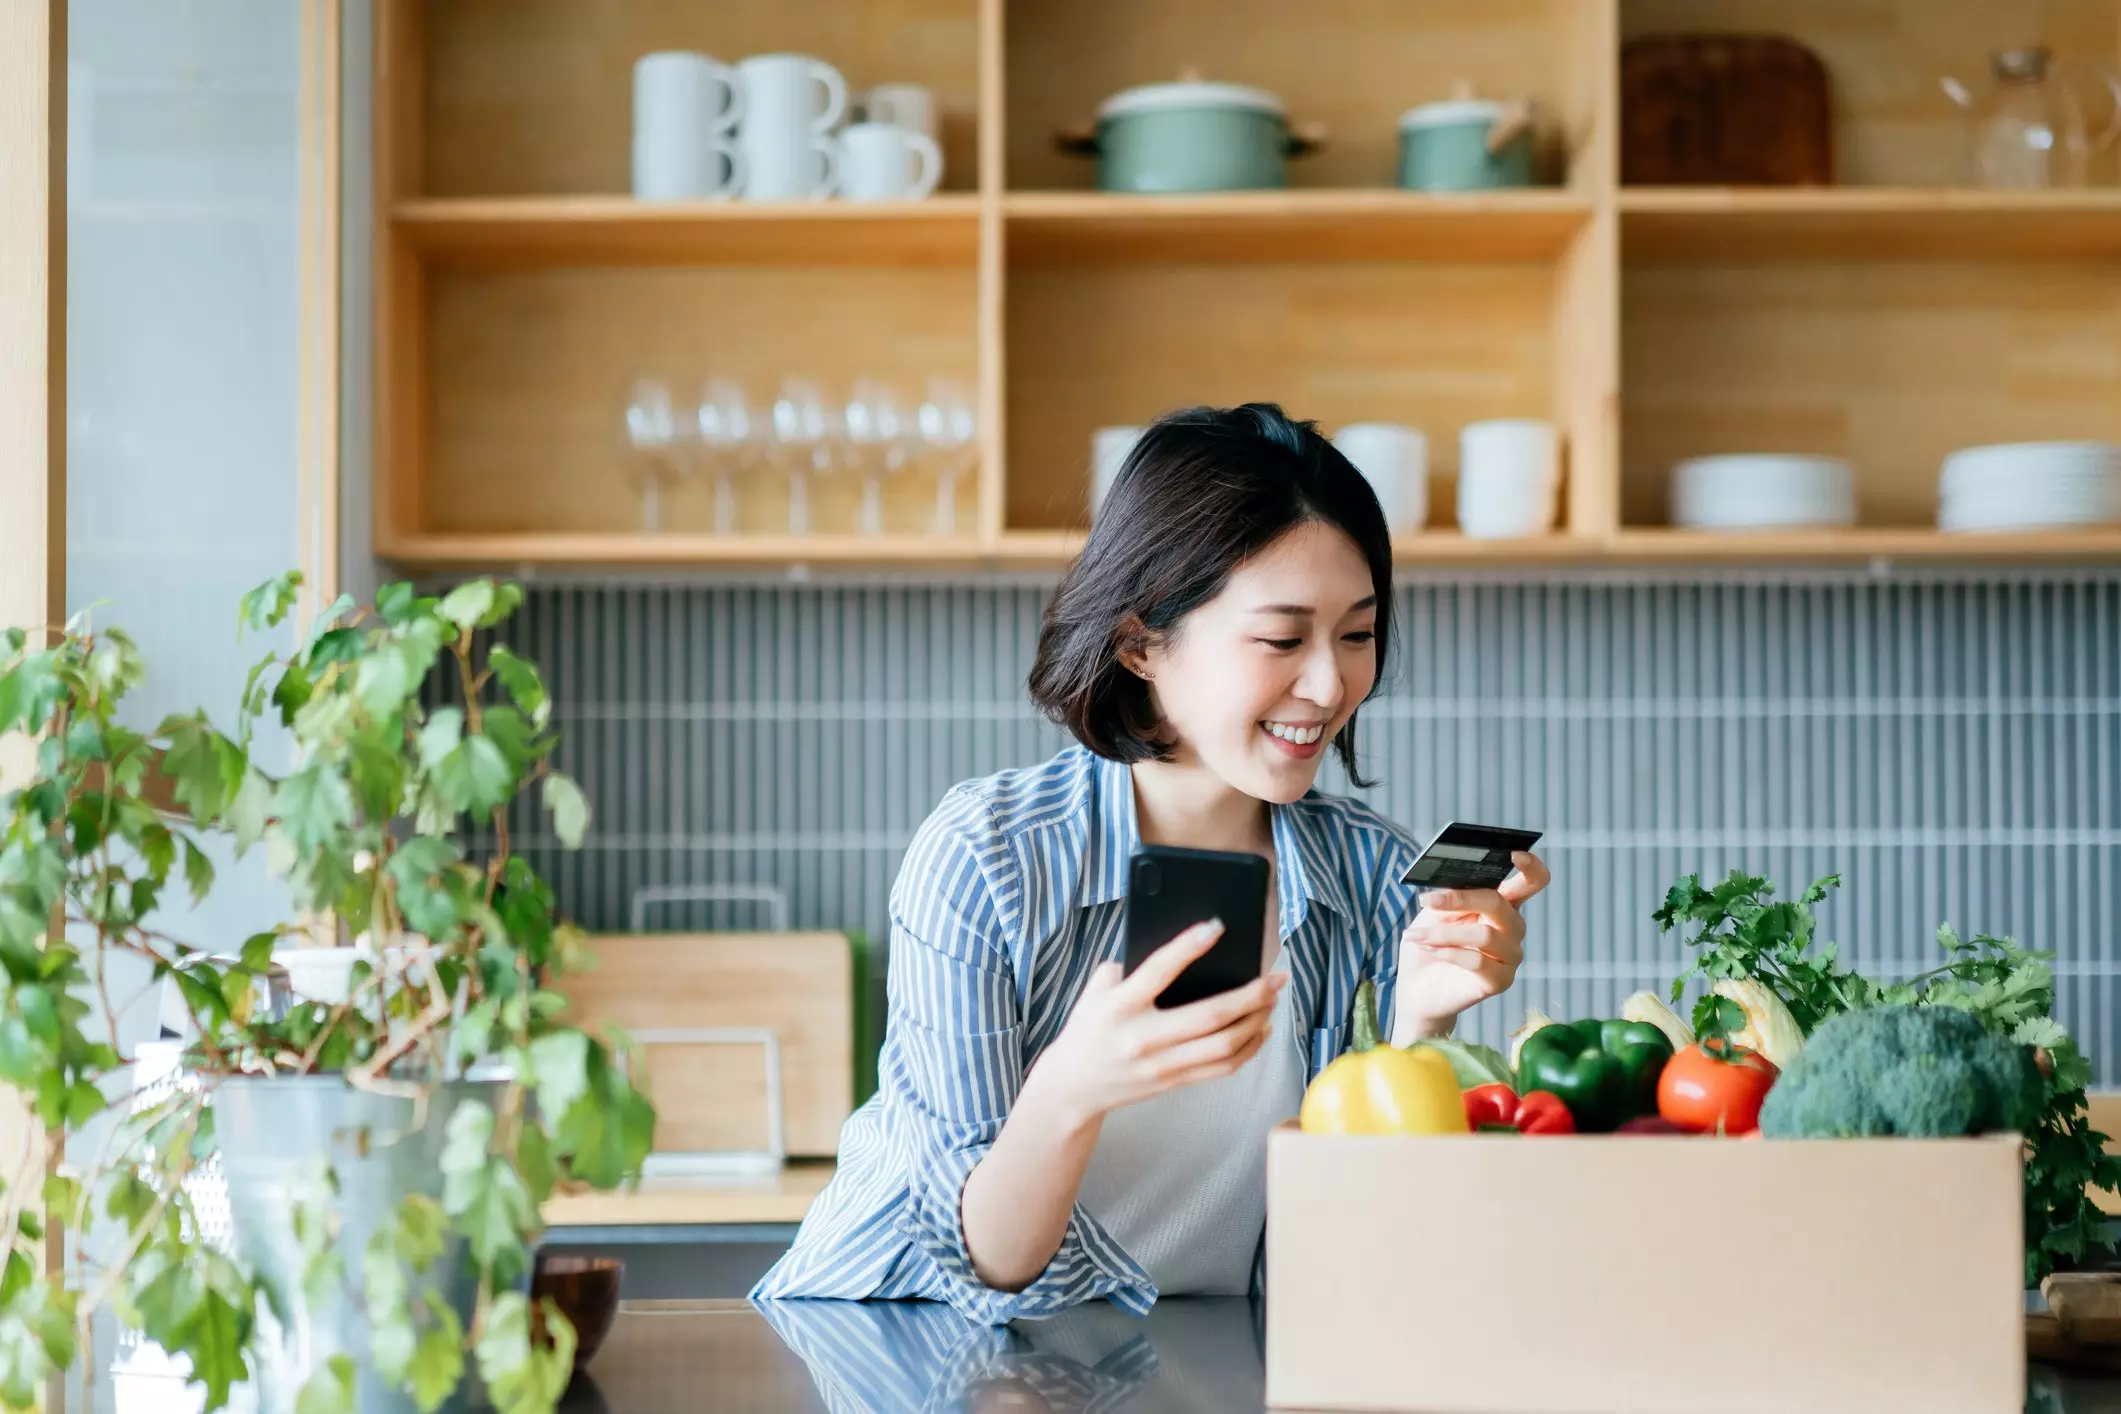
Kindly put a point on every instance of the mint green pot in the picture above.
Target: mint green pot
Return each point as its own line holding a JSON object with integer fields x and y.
{"x": 1444, "y": 147}
{"x": 1191, "y": 137}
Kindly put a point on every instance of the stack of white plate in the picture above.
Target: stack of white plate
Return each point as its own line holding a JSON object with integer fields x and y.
{"x": 2029, "y": 485}
{"x": 1762, "y": 492}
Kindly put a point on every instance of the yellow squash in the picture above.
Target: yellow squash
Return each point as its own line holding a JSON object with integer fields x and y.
{"x": 1379, "y": 1089}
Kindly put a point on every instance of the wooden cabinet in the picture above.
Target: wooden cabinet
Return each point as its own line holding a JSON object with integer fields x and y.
{"x": 1887, "y": 320}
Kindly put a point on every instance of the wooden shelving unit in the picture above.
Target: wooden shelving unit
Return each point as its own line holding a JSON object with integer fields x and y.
{"x": 1888, "y": 320}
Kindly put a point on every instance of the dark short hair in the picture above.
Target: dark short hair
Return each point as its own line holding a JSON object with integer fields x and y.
{"x": 1203, "y": 490}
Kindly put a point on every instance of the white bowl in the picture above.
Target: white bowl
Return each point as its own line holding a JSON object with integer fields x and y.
{"x": 1762, "y": 490}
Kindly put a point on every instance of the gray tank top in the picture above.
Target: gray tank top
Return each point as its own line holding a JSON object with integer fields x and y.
{"x": 1180, "y": 1180}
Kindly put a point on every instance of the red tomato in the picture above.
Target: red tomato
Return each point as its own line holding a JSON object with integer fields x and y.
{"x": 1701, "y": 1090}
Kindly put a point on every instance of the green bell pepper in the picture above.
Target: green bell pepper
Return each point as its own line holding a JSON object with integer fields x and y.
{"x": 1604, "y": 1071}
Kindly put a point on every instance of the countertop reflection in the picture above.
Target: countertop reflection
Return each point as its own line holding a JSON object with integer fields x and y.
{"x": 888, "y": 1357}
{"x": 881, "y": 1357}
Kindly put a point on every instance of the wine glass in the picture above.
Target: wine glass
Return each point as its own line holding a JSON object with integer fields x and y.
{"x": 801, "y": 430}
{"x": 652, "y": 433}
{"x": 877, "y": 428}
{"x": 724, "y": 420}
{"x": 947, "y": 428}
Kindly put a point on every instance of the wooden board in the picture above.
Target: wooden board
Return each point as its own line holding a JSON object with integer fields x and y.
{"x": 1307, "y": 227}
{"x": 1353, "y": 65}
{"x": 1723, "y": 225}
{"x": 783, "y": 1197}
{"x": 531, "y": 372}
{"x": 1893, "y": 124}
{"x": 1892, "y": 366}
{"x": 713, "y": 1097}
{"x": 535, "y": 96}
{"x": 1434, "y": 346}
{"x": 501, "y": 232}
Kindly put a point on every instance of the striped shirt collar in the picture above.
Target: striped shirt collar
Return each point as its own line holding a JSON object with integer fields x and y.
{"x": 1303, "y": 866}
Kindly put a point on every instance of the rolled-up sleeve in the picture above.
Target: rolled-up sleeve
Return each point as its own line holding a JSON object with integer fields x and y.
{"x": 956, "y": 1023}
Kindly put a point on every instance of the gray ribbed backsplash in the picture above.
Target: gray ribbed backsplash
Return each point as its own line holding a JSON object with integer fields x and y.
{"x": 1951, "y": 747}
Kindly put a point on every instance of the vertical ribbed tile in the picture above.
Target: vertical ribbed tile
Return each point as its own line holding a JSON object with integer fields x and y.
{"x": 1950, "y": 747}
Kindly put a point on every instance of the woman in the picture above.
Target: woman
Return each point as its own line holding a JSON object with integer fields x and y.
{"x": 1043, "y": 1134}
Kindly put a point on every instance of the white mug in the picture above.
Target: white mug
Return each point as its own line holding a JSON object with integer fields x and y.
{"x": 903, "y": 105}
{"x": 880, "y": 162}
{"x": 1395, "y": 461}
{"x": 791, "y": 93}
{"x": 1509, "y": 478}
{"x": 1109, "y": 447}
{"x": 681, "y": 103}
{"x": 802, "y": 168}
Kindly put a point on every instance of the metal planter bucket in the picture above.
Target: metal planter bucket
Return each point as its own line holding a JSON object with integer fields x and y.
{"x": 272, "y": 1133}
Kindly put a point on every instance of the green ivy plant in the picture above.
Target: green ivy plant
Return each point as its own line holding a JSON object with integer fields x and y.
{"x": 371, "y": 829}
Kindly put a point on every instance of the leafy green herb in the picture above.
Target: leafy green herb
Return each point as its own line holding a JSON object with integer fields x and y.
{"x": 1739, "y": 930}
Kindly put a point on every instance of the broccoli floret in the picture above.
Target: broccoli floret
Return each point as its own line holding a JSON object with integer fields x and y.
{"x": 1920, "y": 1071}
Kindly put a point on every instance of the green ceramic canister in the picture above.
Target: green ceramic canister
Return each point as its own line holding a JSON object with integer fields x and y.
{"x": 1191, "y": 136}
{"x": 1444, "y": 147}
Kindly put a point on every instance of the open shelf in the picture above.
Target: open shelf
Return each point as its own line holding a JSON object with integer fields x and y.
{"x": 619, "y": 550}
{"x": 1888, "y": 320}
{"x": 1713, "y": 224}
{"x": 1306, "y": 226}
{"x": 617, "y": 230}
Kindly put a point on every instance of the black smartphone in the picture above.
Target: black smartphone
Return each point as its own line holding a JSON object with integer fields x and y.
{"x": 1170, "y": 889}
{"x": 1468, "y": 857}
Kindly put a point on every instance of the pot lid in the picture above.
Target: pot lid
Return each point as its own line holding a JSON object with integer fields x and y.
{"x": 1455, "y": 110}
{"x": 1190, "y": 95}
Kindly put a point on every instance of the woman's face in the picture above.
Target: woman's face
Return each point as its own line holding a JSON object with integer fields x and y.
{"x": 1255, "y": 683}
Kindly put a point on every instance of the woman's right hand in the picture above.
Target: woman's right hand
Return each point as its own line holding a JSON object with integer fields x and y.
{"x": 1120, "y": 1048}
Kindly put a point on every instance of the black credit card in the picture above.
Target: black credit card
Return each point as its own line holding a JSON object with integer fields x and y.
{"x": 1468, "y": 857}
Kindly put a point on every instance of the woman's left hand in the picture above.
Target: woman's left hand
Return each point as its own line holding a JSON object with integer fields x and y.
{"x": 1463, "y": 947}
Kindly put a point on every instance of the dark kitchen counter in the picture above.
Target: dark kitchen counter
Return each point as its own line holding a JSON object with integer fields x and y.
{"x": 850, "y": 1357}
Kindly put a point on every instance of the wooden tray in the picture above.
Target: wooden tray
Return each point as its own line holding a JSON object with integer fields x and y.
{"x": 800, "y": 985}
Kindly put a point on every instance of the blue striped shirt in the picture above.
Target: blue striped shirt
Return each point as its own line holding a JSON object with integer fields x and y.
{"x": 1012, "y": 891}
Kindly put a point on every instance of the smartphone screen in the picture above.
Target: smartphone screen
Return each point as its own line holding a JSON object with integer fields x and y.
{"x": 1171, "y": 889}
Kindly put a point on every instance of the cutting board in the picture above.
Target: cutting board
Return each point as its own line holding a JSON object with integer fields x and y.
{"x": 714, "y": 1097}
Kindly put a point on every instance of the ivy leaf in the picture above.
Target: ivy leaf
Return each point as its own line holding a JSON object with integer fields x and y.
{"x": 216, "y": 1348}
{"x": 394, "y": 602}
{"x": 328, "y": 1390}
{"x": 438, "y": 1361}
{"x": 384, "y": 680}
{"x": 198, "y": 872}
{"x": 36, "y": 1341}
{"x": 521, "y": 1378}
{"x": 258, "y": 951}
{"x": 560, "y": 1063}
{"x": 569, "y": 807}
{"x": 523, "y": 684}
{"x": 421, "y": 1230}
{"x": 248, "y": 812}
{"x": 444, "y": 730}
{"x": 203, "y": 766}
{"x": 321, "y": 627}
{"x": 313, "y": 805}
{"x": 607, "y": 1133}
{"x": 468, "y": 603}
{"x": 494, "y": 1212}
{"x": 475, "y": 777}
{"x": 420, "y": 869}
{"x": 265, "y": 606}
{"x": 29, "y": 690}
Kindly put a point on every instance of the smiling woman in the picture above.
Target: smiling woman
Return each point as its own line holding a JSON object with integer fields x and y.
{"x": 1043, "y": 1132}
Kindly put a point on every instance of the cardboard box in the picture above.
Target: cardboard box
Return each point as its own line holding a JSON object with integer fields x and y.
{"x": 1496, "y": 1273}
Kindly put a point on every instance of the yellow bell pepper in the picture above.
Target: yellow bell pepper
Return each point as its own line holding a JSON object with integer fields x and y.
{"x": 1379, "y": 1089}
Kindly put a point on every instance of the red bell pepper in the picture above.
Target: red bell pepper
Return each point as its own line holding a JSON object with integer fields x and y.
{"x": 1542, "y": 1112}
{"x": 1497, "y": 1106}
{"x": 1491, "y": 1107}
